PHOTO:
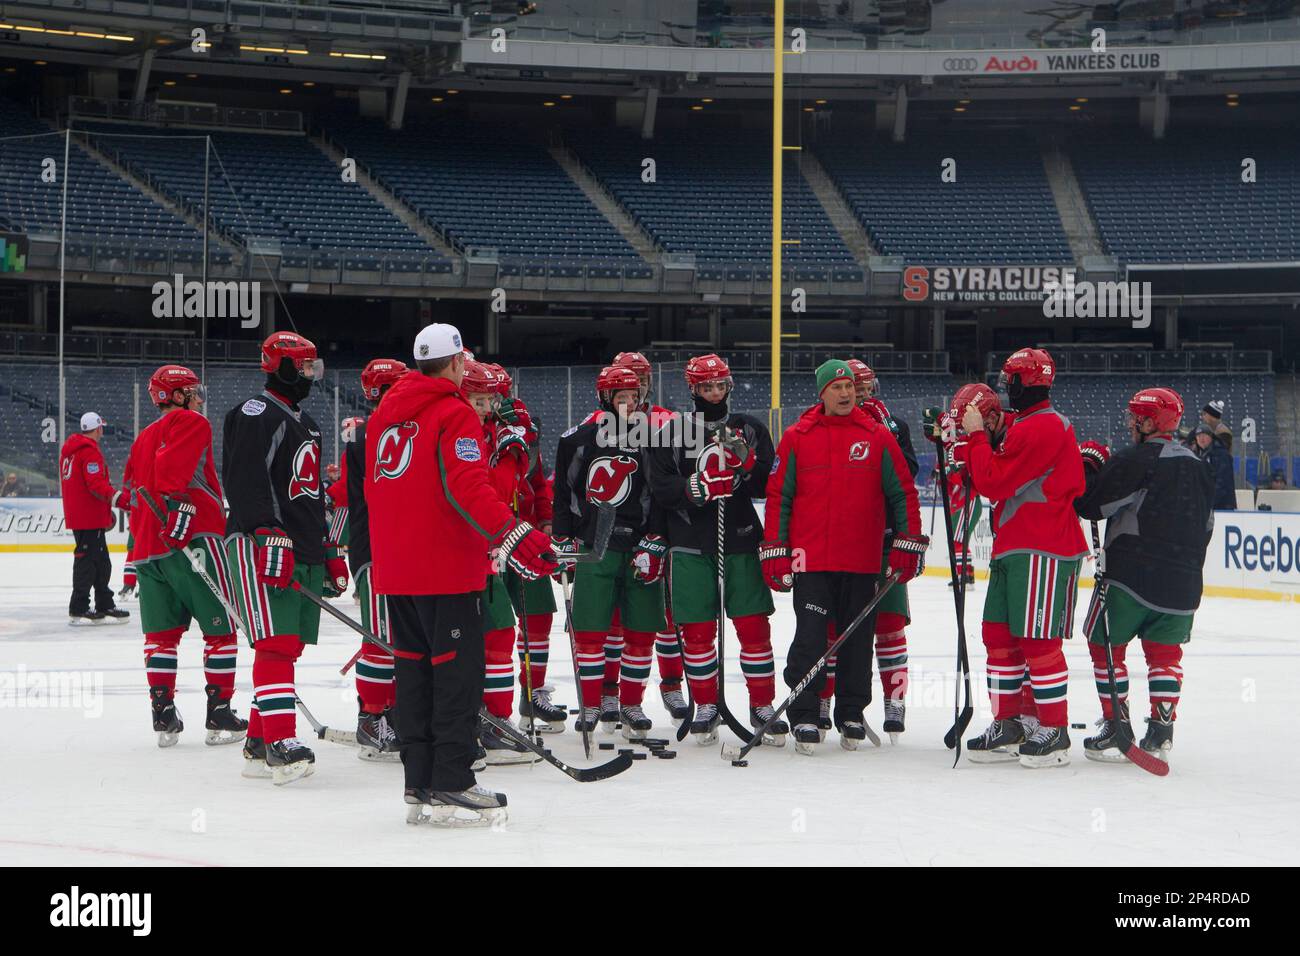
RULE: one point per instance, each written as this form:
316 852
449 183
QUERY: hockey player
688 480
1032 480
533 601
171 470
839 477
1156 497
966 507
505 451
88 500
596 462
276 537
433 519
351 529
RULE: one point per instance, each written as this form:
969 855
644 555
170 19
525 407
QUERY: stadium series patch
467 449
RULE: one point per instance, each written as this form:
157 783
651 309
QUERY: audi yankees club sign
983 283
1037 62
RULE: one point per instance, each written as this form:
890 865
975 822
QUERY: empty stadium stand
1183 199
999 209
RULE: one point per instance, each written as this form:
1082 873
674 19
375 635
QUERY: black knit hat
1214 409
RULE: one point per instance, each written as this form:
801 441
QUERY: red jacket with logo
1032 481
433 510
170 457
83 482
834 479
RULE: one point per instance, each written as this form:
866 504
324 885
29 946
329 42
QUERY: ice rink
86 784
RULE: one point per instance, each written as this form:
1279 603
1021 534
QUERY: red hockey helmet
1162 406
633 360
1034 366
297 349
168 379
504 381
863 375
479 379
985 399
379 374
615 378
707 368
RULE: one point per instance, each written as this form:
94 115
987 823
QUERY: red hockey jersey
173 456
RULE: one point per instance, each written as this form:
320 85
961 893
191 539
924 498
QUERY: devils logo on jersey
305 481
859 451
394 449
610 479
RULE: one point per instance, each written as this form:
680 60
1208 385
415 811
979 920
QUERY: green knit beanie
828 372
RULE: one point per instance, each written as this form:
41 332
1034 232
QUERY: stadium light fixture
84 34
697 108
452 92
356 56
1081 99
549 103
1232 103
706 99
808 109
820 102
959 109
436 99
566 96
169 82
1074 108
286 91
309 84
40 63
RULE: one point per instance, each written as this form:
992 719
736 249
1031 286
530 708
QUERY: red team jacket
832 481
1032 481
173 456
433 509
83 482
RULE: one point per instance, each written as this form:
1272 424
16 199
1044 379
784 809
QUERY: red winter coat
83 482
433 510
1032 480
833 479
173 456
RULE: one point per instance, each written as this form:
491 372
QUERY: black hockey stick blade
605 515
604 771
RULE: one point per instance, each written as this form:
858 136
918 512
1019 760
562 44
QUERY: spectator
1212 418
1206 446
1277 482
12 487
88 499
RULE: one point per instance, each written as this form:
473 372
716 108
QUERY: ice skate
1104 747
1048 747
113 615
223 725
1159 738
377 739
776 734
86 619
475 807
997 743
587 721
675 702
166 718
635 723
255 767
824 722
806 739
500 750
705 725
547 717
895 714
609 713
289 759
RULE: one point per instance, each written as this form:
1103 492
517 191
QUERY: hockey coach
434 518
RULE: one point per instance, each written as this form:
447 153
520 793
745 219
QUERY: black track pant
91 567
439 672
835 596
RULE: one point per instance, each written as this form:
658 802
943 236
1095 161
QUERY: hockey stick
566 588
1123 736
961 718
685 727
737 757
604 530
582 775
736 727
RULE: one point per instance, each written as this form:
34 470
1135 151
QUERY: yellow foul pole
778 160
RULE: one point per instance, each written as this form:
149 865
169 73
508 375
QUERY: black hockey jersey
271 470
1157 500
354 456
694 528
588 469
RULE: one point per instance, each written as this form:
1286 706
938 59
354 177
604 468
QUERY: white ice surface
87 785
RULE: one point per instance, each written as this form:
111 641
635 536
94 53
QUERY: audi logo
961 64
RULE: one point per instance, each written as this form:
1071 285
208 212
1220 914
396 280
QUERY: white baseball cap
437 341
90 421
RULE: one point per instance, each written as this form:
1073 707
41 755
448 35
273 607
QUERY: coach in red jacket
836 472
88 499
434 516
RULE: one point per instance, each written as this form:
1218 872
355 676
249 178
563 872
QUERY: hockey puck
639 757
665 754
740 763
655 741
606 746
626 750
574 713
1078 726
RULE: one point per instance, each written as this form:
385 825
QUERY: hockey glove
649 557
122 500
336 571
876 409
1095 454
778 569
273 557
564 547
528 552
907 556
710 484
513 412
180 521
511 441
931 423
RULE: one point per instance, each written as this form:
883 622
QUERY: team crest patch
859 451
254 406
569 432
92 468
776 463
467 449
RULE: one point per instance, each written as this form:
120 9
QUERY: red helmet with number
615 378
863 375
379 374
1034 366
633 360
1163 406
294 347
168 379
707 368
479 379
504 381
985 399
